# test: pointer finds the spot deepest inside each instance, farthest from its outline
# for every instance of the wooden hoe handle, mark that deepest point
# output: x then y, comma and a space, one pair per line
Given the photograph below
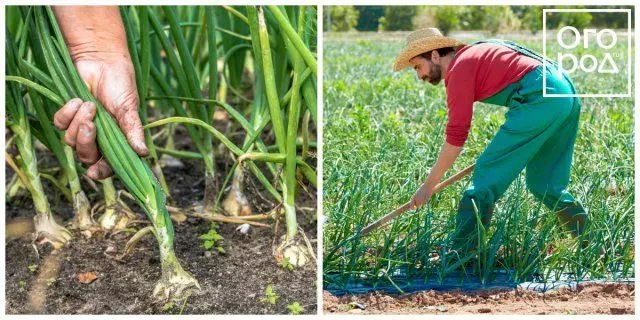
407, 206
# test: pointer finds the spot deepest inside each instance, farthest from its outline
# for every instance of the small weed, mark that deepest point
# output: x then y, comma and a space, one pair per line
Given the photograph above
33, 267
168, 306
286, 264
22, 283
212, 238
270, 295
295, 308
51, 281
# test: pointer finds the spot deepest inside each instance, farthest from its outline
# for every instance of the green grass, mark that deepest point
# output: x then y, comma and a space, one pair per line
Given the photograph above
382, 131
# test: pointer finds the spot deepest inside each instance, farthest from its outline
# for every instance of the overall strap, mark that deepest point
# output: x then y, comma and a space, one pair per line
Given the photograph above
517, 48
528, 52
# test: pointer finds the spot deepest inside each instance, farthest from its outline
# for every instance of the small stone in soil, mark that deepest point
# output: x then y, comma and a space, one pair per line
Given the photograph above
484, 310
244, 228
356, 305
87, 277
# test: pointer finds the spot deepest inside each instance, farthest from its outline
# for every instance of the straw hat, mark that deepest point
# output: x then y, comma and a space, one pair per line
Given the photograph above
421, 41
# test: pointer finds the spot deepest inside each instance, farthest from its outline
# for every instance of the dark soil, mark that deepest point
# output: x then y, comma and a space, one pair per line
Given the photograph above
232, 283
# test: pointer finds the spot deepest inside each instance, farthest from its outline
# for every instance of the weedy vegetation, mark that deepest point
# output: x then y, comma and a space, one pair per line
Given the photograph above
295, 308
270, 295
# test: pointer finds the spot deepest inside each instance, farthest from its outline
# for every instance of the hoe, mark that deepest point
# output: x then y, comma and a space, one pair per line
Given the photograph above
407, 206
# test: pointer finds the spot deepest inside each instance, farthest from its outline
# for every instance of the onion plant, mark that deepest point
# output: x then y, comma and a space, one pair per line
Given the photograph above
134, 173
284, 89
295, 49
44, 111
27, 167
112, 218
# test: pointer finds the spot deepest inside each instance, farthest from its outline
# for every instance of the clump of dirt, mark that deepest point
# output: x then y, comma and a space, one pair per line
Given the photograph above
586, 299
233, 282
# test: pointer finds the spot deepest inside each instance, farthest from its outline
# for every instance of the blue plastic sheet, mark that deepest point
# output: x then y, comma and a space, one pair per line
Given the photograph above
457, 281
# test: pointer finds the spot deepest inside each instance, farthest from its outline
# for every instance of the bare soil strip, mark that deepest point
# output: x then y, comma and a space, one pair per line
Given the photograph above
586, 299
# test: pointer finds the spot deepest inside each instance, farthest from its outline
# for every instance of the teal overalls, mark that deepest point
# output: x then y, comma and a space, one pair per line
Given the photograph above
539, 134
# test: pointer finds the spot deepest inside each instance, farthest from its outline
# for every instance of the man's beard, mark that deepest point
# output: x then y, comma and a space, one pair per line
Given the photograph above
436, 74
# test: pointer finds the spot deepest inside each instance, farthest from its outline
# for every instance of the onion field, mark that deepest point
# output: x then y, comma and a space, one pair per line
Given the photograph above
383, 130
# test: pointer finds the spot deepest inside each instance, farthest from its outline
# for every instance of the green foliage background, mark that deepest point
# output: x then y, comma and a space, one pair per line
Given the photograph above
493, 19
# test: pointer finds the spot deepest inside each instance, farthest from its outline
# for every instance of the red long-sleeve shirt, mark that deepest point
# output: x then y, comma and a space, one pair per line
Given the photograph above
475, 73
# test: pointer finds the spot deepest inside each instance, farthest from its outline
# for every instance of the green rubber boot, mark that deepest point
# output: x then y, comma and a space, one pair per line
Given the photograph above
573, 218
465, 238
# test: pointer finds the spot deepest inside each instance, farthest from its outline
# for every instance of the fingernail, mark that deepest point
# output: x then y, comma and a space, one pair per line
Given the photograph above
141, 147
77, 102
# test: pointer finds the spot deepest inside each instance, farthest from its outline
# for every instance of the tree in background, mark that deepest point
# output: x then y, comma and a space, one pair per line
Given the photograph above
531, 16
499, 19
343, 18
613, 20
532, 19
369, 17
400, 18
447, 18
425, 17
471, 18
382, 24
493, 19
579, 20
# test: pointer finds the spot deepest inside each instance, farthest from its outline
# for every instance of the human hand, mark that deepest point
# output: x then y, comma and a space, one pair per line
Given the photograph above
421, 196
112, 82
97, 43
